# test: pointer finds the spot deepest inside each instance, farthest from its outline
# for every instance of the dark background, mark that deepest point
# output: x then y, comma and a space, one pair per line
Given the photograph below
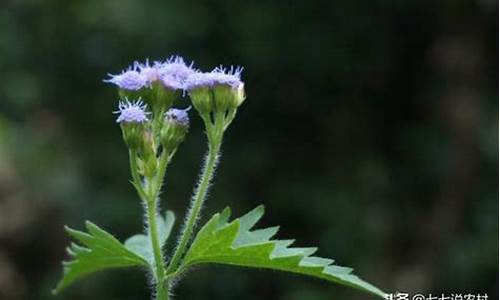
370, 130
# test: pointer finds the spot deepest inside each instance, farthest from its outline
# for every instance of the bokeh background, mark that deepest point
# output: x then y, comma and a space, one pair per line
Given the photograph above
370, 130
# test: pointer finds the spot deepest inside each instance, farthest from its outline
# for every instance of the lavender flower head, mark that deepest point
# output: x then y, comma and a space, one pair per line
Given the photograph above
129, 79
171, 82
178, 115
171, 74
132, 112
177, 68
219, 76
148, 72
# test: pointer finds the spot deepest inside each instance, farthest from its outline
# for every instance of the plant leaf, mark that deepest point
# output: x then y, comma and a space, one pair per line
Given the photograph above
101, 251
141, 245
233, 243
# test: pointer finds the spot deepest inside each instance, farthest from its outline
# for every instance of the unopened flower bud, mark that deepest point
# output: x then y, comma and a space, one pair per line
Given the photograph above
223, 97
148, 154
240, 95
132, 118
228, 97
202, 99
174, 129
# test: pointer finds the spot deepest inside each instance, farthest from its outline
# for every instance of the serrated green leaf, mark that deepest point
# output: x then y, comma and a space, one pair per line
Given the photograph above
141, 245
100, 251
233, 243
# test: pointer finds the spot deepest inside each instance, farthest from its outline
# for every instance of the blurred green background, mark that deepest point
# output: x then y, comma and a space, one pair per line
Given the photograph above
370, 130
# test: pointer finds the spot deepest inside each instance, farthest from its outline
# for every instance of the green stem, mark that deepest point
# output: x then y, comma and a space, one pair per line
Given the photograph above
150, 198
161, 288
152, 205
215, 139
157, 183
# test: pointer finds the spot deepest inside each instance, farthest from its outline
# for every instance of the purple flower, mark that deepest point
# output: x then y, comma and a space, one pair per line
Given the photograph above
131, 112
156, 72
172, 74
219, 76
129, 79
149, 73
171, 82
176, 68
178, 115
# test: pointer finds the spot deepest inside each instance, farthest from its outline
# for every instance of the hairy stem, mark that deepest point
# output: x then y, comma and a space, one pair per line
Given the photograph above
214, 132
160, 176
154, 185
161, 289
150, 198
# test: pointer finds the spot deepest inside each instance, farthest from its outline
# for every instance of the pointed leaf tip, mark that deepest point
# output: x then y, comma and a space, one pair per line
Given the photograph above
226, 213
235, 243
101, 251
251, 218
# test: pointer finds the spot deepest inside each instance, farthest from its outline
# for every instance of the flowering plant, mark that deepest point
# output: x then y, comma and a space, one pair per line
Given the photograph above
152, 131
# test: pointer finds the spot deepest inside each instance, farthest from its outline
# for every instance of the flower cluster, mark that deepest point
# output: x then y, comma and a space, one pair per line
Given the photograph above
171, 73
160, 84
175, 74
219, 76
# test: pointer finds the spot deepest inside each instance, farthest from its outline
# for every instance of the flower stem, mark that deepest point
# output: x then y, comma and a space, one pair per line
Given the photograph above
163, 163
154, 185
161, 289
149, 190
214, 133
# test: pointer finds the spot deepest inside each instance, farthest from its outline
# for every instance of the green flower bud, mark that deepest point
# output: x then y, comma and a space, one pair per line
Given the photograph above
240, 95
174, 129
227, 97
202, 99
223, 97
132, 134
148, 154
160, 98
